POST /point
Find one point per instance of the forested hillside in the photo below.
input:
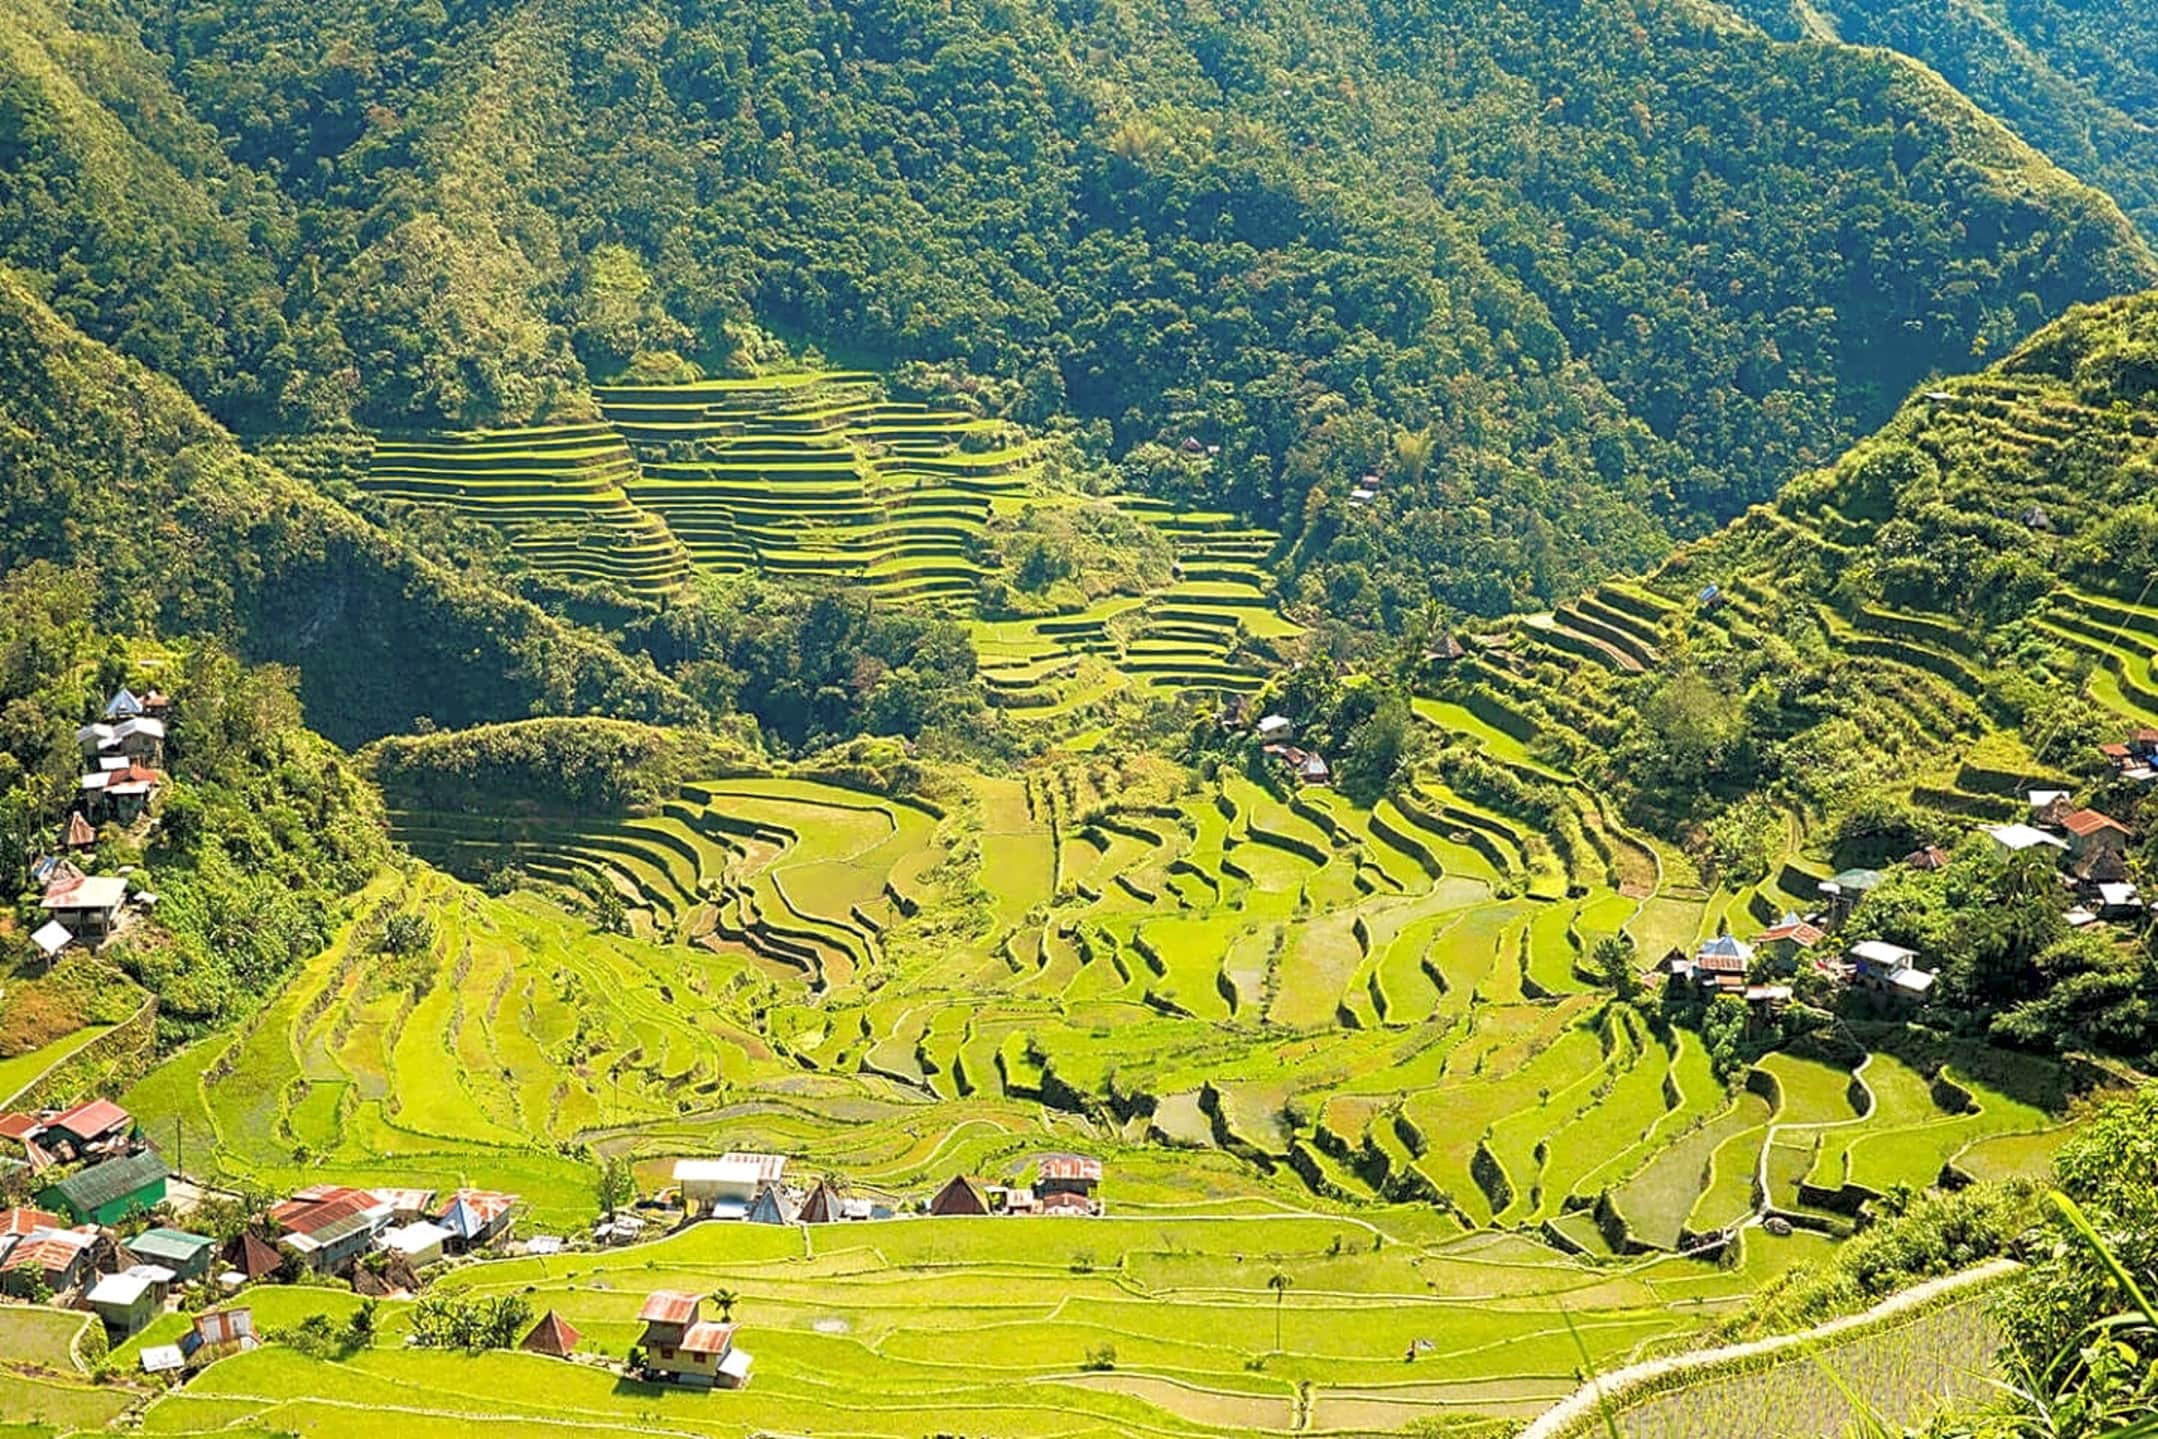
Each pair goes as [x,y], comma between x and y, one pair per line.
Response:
[109,469]
[1572,278]
[2076,78]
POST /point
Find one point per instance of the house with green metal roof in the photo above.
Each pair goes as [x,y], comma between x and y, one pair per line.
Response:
[107,1193]
[186,1255]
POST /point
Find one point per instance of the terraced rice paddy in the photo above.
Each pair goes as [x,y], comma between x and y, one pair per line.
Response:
[820,477]
[987,1326]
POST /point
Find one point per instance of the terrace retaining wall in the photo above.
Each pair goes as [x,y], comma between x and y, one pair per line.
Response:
[1582,1413]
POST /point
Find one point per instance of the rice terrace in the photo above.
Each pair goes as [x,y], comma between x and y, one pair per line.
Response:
[873,720]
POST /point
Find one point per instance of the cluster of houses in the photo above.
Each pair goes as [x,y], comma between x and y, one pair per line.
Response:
[121,755]
[101,1174]
[2092,850]
[1276,735]
[1064,1184]
[331,1228]
[2134,759]
[2091,846]
[754,1188]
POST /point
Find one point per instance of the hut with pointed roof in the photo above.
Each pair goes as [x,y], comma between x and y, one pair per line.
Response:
[551,1336]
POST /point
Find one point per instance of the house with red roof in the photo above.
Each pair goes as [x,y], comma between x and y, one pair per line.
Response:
[2088,831]
[16,1222]
[682,1346]
[1066,1182]
[55,1257]
[94,1126]
[327,1226]
[21,1142]
[1789,938]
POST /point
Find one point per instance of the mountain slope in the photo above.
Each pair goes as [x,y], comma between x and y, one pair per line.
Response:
[1623,267]
[2078,78]
[105,466]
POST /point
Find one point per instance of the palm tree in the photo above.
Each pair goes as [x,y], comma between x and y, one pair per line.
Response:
[1280,1284]
[726,1299]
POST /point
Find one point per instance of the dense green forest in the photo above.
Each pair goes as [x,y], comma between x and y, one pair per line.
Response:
[2074,77]
[1575,278]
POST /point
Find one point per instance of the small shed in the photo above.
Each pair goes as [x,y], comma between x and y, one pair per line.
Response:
[186,1255]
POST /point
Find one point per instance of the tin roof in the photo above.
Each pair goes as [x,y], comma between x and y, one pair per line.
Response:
[668,1306]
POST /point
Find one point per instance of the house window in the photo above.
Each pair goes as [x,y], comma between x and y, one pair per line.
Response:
[666,1354]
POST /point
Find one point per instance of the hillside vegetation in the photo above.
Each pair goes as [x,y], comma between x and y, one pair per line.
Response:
[109,469]
[1575,277]
[2074,77]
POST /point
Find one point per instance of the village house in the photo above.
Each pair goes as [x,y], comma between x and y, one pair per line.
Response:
[327,1226]
[1930,856]
[56,1258]
[1274,729]
[16,1222]
[87,906]
[725,1187]
[214,1336]
[1842,892]
[774,1204]
[1304,766]
[419,1243]
[1065,1184]
[1890,969]
[122,793]
[2049,807]
[76,834]
[476,1218]
[248,1259]
[2090,831]
[110,1191]
[94,1127]
[1789,938]
[129,1300]
[2017,838]
[681,1346]
[1720,964]
[186,1255]
[407,1205]
[21,1146]
[823,1206]
[139,741]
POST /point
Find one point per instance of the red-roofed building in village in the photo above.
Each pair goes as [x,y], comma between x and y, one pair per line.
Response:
[2088,830]
[56,1258]
[94,1126]
[21,1140]
[14,1223]
[679,1344]
[1065,1184]
[327,1226]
